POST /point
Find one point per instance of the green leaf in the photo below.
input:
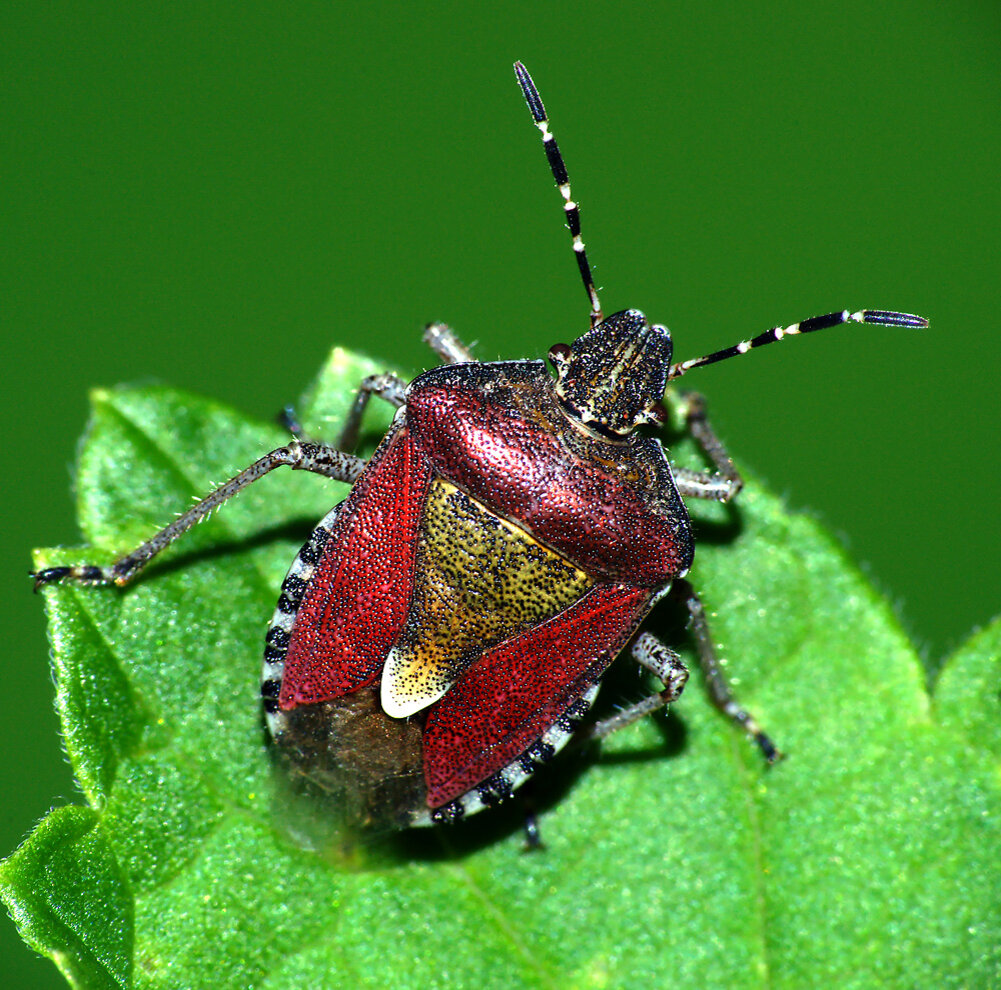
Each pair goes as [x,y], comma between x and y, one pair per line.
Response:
[69,897]
[968,694]
[675,857]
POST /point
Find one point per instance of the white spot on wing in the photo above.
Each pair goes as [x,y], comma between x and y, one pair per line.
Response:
[404,692]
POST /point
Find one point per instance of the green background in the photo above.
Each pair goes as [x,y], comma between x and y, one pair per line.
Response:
[211,195]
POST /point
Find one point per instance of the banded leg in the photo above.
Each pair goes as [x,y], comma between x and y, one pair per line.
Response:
[441,338]
[386,386]
[663,663]
[726,482]
[318,458]
[719,690]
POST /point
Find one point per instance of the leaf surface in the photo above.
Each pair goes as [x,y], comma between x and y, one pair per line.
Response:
[674,857]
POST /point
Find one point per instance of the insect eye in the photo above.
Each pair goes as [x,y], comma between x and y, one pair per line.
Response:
[658,413]
[558,355]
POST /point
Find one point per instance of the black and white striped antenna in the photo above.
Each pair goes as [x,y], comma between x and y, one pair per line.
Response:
[881,317]
[559,170]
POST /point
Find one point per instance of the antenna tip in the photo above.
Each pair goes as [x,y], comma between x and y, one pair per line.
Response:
[530,93]
[888,318]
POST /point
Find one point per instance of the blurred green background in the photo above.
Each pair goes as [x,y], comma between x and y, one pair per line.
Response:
[211,195]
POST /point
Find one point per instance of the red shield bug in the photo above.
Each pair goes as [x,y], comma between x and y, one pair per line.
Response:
[444,629]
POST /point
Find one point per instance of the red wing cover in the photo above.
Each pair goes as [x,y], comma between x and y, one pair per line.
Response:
[521,687]
[357,600]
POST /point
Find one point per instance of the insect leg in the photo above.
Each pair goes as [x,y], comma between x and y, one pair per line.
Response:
[441,338]
[720,486]
[719,690]
[665,664]
[533,837]
[289,420]
[318,458]
[388,387]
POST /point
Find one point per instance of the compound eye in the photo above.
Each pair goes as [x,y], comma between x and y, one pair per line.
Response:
[558,355]
[658,414]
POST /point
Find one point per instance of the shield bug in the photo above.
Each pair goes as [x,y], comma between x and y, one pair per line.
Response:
[444,629]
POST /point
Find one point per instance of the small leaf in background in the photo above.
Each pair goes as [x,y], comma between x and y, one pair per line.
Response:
[869,857]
